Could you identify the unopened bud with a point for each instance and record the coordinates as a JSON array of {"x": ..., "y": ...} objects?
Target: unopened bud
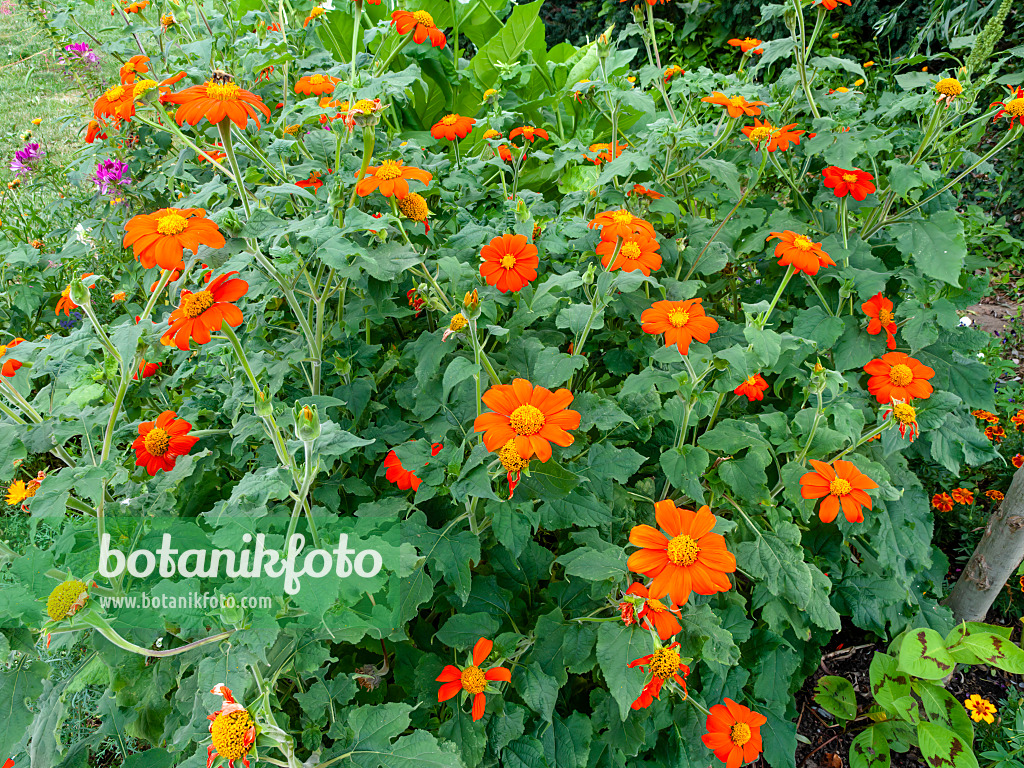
[
  {"x": 471, "y": 303},
  {"x": 307, "y": 423},
  {"x": 264, "y": 405}
]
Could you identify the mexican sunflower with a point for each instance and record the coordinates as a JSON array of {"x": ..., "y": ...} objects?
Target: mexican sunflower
[
  {"x": 680, "y": 321},
  {"x": 161, "y": 442},
  {"x": 831, "y": 5},
  {"x": 881, "y": 318},
  {"x": 422, "y": 26},
  {"x": 117, "y": 102},
  {"x": 316, "y": 85},
  {"x": 217, "y": 101},
  {"x": 734, "y": 733},
  {"x": 146, "y": 370},
  {"x": 452, "y": 127},
  {"x": 529, "y": 133},
  {"x": 509, "y": 263},
  {"x": 801, "y": 252},
  {"x": 533, "y": 416},
  {"x": 898, "y": 376},
  {"x": 205, "y": 311},
  {"x": 399, "y": 475},
  {"x": 160, "y": 238},
  {"x": 735, "y": 105},
  {"x": 639, "y": 190},
  {"x": 620, "y": 223},
  {"x": 653, "y": 614},
  {"x": 136, "y": 65},
  {"x": 638, "y": 251},
  {"x": 502, "y": 149},
  {"x": 1014, "y": 107},
  {"x": 664, "y": 664},
  {"x": 747, "y": 44},
  {"x": 604, "y": 152},
  {"x": 391, "y": 179},
  {"x": 856, "y": 183},
  {"x": 314, "y": 181},
  {"x": 232, "y": 730},
  {"x": 906, "y": 417},
  {"x": 693, "y": 560},
  {"x": 777, "y": 138},
  {"x": 94, "y": 131},
  {"x": 65, "y": 303},
  {"x": 840, "y": 486},
  {"x": 471, "y": 678},
  {"x": 649, "y": 2},
  {"x": 752, "y": 387},
  {"x": 10, "y": 367}
]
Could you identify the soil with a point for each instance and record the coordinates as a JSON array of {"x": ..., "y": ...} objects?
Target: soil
[{"x": 849, "y": 655}]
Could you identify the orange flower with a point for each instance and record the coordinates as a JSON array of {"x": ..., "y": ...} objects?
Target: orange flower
[
  {"x": 855, "y": 183},
  {"x": 503, "y": 149},
  {"x": 119, "y": 296},
  {"x": 898, "y": 376},
  {"x": 752, "y": 388},
  {"x": 134, "y": 65},
  {"x": 996, "y": 434},
  {"x": 452, "y": 127},
  {"x": 1014, "y": 107},
  {"x": 399, "y": 475},
  {"x": 680, "y": 321},
  {"x": 735, "y": 105},
  {"x": 880, "y": 311},
  {"x": 840, "y": 485},
  {"x": 1017, "y": 419},
  {"x": 117, "y": 102},
  {"x": 639, "y": 190},
  {"x": 620, "y": 223},
  {"x": 532, "y": 416},
  {"x": 10, "y": 367},
  {"x": 830, "y": 5},
  {"x": 160, "y": 238},
  {"x": 942, "y": 502},
  {"x": 529, "y": 133},
  {"x": 161, "y": 442},
  {"x": 313, "y": 14},
  {"x": 64, "y": 303},
  {"x": 604, "y": 152},
  {"x": 747, "y": 44},
  {"x": 217, "y": 101},
  {"x": 205, "y": 311},
  {"x": 422, "y": 26},
  {"x": 777, "y": 138},
  {"x": 734, "y": 733},
  {"x": 962, "y": 496},
  {"x": 94, "y": 131},
  {"x": 391, "y": 178},
  {"x": 146, "y": 370},
  {"x": 1018, "y": 460},
  {"x": 995, "y": 495},
  {"x": 232, "y": 730},
  {"x": 654, "y": 614},
  {"x": 471, "y": 678},
  {"x": 649, "y": 2},
  {"x": 638, "y": 251},
  {"x": 316, "y": 85},
  {"x": 664, "y": 664},
  {"x": 314, "y": 182},
  {"x": 693, "y": 560},
  {"x": 509, "y": 263},
  {"x": 801, "y": 252},
  {"x": 671, "y": 72}
]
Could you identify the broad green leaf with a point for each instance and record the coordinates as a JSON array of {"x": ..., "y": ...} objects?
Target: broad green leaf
[
  {"x": 617, "y": 647},
  {"x": 836, "y": 695},
  {"x": 944, "y": 749},
  {"x": 973, "y": 647},
  {"x": 595, "y": 565},
  {"x": 684, "y": 467},
  {"x": 870, "y": 749},
  {"x": 888, "y": 683},
  {"x": 923, "y": 654},
  {"x": 935, "y": 245},
  {"x": 463, "y": 630}
]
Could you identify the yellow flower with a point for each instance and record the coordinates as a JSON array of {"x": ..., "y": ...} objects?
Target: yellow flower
[
  {"x": 868, "y": 64},
  {"x": 66, "y": 599},
  {"x": 949, "y": 86},
  {"x": 18, "y": 492},
  {"x": 835, "y": 35},
  {"x": 37, "y": 121},
  {"x": 980, "y": 709},
  {"x": 858, "y": 82}
]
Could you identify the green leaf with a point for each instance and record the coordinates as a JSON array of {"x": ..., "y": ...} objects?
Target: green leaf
[
  {"x": 944, "y": 749},
  {"x": 684, "y": 467},
  {"x": 870, "y": 749},
  {"x": 923, "y": 654},
  {"x": 508, "y": 45},
  {"x": 937, "y": 246},
  {"x": 458, "y": 370},
  {"x": 818, "y": 326},
  {"x": 595, "y": 565},
  {"x": 567, "y": 742},
  {"x": 617, "y": 647},
  {"x": 942, "y": 706},
  {"x": 524, "y": 752},
  {"x": 779, "y": 738},
  {"x": 974, "y": 647},
  {"x": 466, "y": 735},
  {"x": 887, "y": 682},
  {"x": 463, "y": 630},
  {"x": 778, "y": 563},
  {"x": 836, "y": 695},
  {"x": 538, "y": 689},
  {"x": 21, "y": 684},
  {"x": 448, "y": 551}
]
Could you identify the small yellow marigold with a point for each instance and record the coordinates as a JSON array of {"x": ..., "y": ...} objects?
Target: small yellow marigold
[
  {"x": 858, "y": 82},
  {"x": 66, "y": 599}
]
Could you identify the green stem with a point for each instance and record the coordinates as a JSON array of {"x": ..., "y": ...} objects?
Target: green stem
[
  {"x": 369, "y": 137},
  {"x": 657, "y": 59},
  {"x": 814, "y": 428},
  {"x": 821, "y": 298},
  {"x": 763, "y": 320},
  {"x": 224, "y": 127},
  {"x": 801, "y": 55}
]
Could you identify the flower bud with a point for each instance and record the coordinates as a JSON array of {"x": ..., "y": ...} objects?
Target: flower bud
[
  {"x": 307, "y": 423},
  {"x": 264, "y": 405},
  {"x": 79, "y": 293},
  {"x": 471, "y": 303},
  {"x": 590, "y": 274}
]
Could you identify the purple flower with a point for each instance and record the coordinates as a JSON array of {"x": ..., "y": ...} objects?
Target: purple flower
[
  {"x": 81, "y": 51},
  {"x": 111, "y": 174},
  {"x": 25, "y": 160}
]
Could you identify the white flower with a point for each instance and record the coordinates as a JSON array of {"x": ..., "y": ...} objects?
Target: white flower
[
  {"x": 965, "y": 322},
  {"x": 82, "y": 236}
]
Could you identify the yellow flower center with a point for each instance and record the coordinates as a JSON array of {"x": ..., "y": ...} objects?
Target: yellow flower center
[
  {"x": 414, "y": 207},
  {"x": 665, "y": 663},
  {"x": 458, "y": 322},
  {"x": 803, "y": 243},
  {"x": 850, "y": 178},
  {"x": 222, "y": 91},
  {"x": 678, "y": 318},
  {"x": 526, "y": 420},
  {"x": 490, "y": 133},
  {"x": 751, "y": 41},
  {"x": 157, "y": 442},
  {"x": 171, "y": 224},
  {"x": 656, "y": 605},
  {"x": 1015, "y": 107},
  {"x": 761, "y": 133},
  {"x": 949, "y": 86},
  {"x": 528, "y": 132},
  {"x": 473, "y": 680},
  {"x": 424, "y": 18},
  {"x": 194, "y": 304},
  {"x": 388, "y": 170},
  {"x": 508, "y": 261},
  {"x": 316, "y": 12},
  {"x": 905, "y": 412},
  {"x": 683, "y": 550},
  {"x": 63, "y": 598},
  {"x": 490, "y": 92},
  {"x": 317, "y": 79},
  {"x": 114, "y": 94},
  {"x": 750, "y": 381},
  {"x": 739, "y": 734},
  {"x": 737, "y": 101},
  {"x": 885, "y": 316},
  {"x": 511, "y": 459},
  {"x": 630, "y": 251},
  {"x": 363, "y": 105},
  {"x": 622, "y": 217},
  {"x": 228, "y": 734},
  {"x": 900, "y": 375},
  {"x": 143, "y": 87},
  {"x": 839, "y": 487},
  {"x": 449, "y": 119}
]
